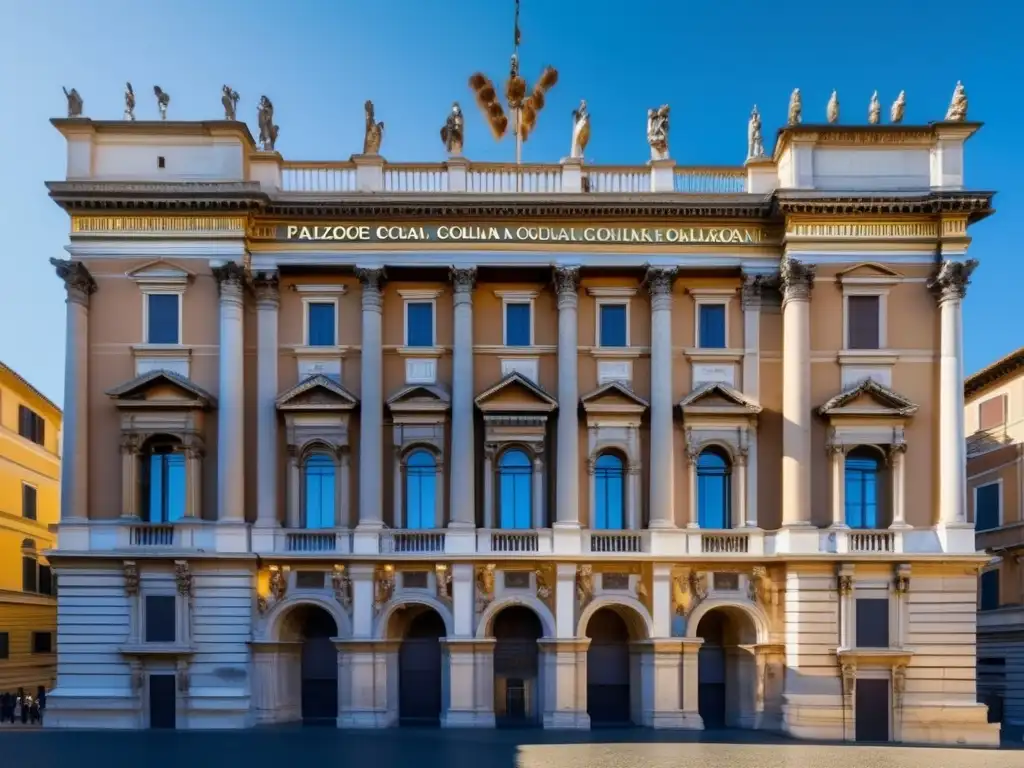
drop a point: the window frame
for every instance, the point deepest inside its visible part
(888, 621)
(316, 450)
(517, 297)
(1002, 397)
(318, 299)
(419, 297)
(727, 485)
(32, 642)
(406, 489)
(145, 478)
(879, 457)
(25, 486)
(702, 302)
(611, 302)
(883, 315)
(167, 592)
(999, 510)
(5, 645)
(499, 459)
(988, 571)
(601, 492)
(162, 291)
(35, 420)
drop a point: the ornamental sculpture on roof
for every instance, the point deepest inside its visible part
(832, 110)
(898, 107)
(453, 130)
(75, 103)
(795, 108)
(268, 131)
(657, 132)
(580, 130)
(162, 100)
(957, 111)
(229, 98)
(129, 102)
(874, 109)
(374, 134)
(755, 144)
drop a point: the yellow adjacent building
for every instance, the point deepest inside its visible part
(29, 504)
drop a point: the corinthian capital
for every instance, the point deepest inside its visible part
(372, 281)
(567, 283)
(231, 278)
(795, 279)
(753, 286)
(77, 280)
(659, 280)
(951, 279)
(267, 287)
(463, 280)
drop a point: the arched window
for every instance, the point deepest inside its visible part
(714, 489)
(163, 480)
(515, 478)
(863, 467)
(420, 490)
(609, 493)
(319, 501)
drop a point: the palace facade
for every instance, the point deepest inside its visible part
(564, 445)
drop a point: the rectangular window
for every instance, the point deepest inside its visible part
(992, 412)
(29, 575)
(872, 629)
(711, 321)
(986, 507)
(419, 324)
(28, 501)
(518, 324)
(161, 621)
(45, 580)
(988, 587)
(42, 642)
(862, 322)
(31, 425)
(5, 645)
(322, 324)
(163, 310)
(612, 325)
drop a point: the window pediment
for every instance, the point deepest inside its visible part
(868, 398)
(717, 399)
(160, 272)
(161, 389)
(515, 394)
(419, 398)
(867, 272)
(613, 398)
(317, 393)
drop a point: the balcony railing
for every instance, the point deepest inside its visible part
(152, 535)
(871, 541)
(315, 541)
(725, 543)
(615, 542)
(411, 542)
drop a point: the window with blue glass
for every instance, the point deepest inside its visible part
(319, 503)
(419, 328)
(420, 490)
(863, 481)
(609, 492)
(518, 324)
(714, 489)
(612, 325)
(515, 488)
(164, 481)
(711, 321)
(986, 507)
(162, 311)
(988, 586)
(322, 324)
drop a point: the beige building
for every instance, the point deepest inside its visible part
(994, 416)
(464, 443)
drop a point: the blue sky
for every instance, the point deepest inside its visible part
(318, 60)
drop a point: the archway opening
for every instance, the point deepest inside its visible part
(317, 662)
(727, 669)
(609, 700)
(420, 676)
(517, 688)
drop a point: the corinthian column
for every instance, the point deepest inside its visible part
(659, 283)
(371, 407)
(950, 287)
(74, 468)
(462, 473)
(567, 485)
(796, 280)
(231, 401)
(267, 302)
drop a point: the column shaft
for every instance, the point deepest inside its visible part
(267, 301)
(231, 400)
(371, 407)
(462, 476)
(796, 281)
(659, 283)
(567, 483)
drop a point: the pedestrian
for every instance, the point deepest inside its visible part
(17, 709)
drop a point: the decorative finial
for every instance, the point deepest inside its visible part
(795, 108)
(580, 130)
(957, 111)
(75, 103)
(453, 131)
(898, 106)
(229, 98)
(755, 144)
(129, 102)
(657, 132)
(374, 134)
(832, 110)
(162, 100)
(874, 110)
(268, 131)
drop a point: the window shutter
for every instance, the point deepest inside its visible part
(992, 412)
(863, 322)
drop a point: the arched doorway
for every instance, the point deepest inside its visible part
(727, 669)
(419, 665)
(517, 687)
(608, 670)
(314, 627)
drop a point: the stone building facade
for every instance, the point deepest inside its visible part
(559, 444)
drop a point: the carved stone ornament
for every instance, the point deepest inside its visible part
(79, 283)
(231, 277)
(584, 585)
(265, 120)
(898, 108)
(659, 280)
(641, 592)
(844, 584)
(759, 586)
(341, 583)
(383, 587)
(443, 579)
(690, 446)
(755, 143)
(657, 132)
(567, 280)
(267, 287)
(131, 578)
(698, 587)
(229, 98)
(899, 679)
(951, 279)
(278, 584)
(681, 598)
(463, 280)
(957, 111)
(162, 100)
(75, 103)
(129, 102)
(484, 586)
(372, 282)
(901, 579)
(795, 108)
(874, 110)
(832, 110)
(849, 675)
(453, 131)
(795, 278)
(544, 590)
(183, 578)
(752, 291)
(373, 135)
(580, 131)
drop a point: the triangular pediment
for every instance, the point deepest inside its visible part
(515, 393)
(613, 397)
(160, 271)
(317, 393)
(868, 270)
(868, 398)
(419, 398)
(161, 389)
(714, 397)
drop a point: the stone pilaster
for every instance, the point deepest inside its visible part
(371, 407)
(796, 280)
(231, 279)
(567, 484)
(267, 303)
(659, 284)
(74, 477)
(463, 479)
(753, 286)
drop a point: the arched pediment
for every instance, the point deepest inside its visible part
(515, 394)
(868, 398)
(317, 393)
(161, 389)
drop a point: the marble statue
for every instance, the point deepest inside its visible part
(896, 112)
(957, 111)
(832, 110)
(374, 132)
(874, 110)
(580, 130)
(268, 131)
(129, 102)
(162, 100)
(453, 130)
(229, 99)
(75, 103)
(657, 132)
(795, 108)
(755, 144)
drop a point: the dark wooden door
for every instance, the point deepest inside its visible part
(872, 710)
(319, 681)
(419, 671)
(162, 701)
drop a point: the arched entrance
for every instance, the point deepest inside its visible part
(608, 670)
(419, 664)
(318, 662)
(517, 689)
(727, 669)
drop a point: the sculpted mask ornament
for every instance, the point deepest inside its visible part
(795, 108)
(874, 110)
(901, 582)
(341, 583)
(229, 98)
(453, 131)
(755, 144)
(75, 103)
(129, 102)
(265, 118)
(845, 584)
(584, 585)
(162, 100)
(849, 672)
(957, 111)
(278, 583)
(544, 590)
(580, 131)
(443, 577)
(131, 578)
(657, 132)
(183, 578)
(374, 133)
(952, 278)
(383, 587)
(832, 110)
(484, 586)
(898, 108)
(698, 587)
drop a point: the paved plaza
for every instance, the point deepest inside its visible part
(413, 748)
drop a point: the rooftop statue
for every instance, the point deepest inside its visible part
(874, 110)
(832, 110)
(896, 112)
(795, 108)
(268, 131)
(755, 144)
(75, 103)
(374, 132)
(657, 132)
(129, 102)
(453, 131)
(957, 111)
(229, 99)
(162, 100)
(580, 130)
